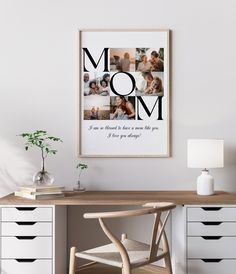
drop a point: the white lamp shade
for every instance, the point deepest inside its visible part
(205, 153)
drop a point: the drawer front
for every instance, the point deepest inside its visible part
(211, 267)
(26, 229)
(210, 247)
(211, 229)
(26, 248)
(211, 214)
(24, 214)
(26, 267)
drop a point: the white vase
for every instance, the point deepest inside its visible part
(205, 184)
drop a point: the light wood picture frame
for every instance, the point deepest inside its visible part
(123, 93)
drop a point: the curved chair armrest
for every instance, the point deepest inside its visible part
(119, 214)
(162, 206)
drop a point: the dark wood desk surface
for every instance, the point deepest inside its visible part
(127, 198)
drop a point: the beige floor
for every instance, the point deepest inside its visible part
(101, 269)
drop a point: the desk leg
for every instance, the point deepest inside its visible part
(179, 240)
(60, 240)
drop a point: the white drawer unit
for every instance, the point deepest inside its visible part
(26, 214)
(211, 266)
(26, 247)
(26, 266)
(211, 247)
(30, 242)
(211, 214)
(211, 239)
(211, 228)
(26, 229)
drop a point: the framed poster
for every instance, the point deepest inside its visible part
(123, 93)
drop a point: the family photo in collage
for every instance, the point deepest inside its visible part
(146, 65)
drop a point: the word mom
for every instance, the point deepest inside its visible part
(141, 104)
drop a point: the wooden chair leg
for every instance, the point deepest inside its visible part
(72, 260)
(126, 271)
(126, 268)
(168, 265)
(123, 237)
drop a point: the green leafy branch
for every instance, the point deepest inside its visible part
(42, 140)
(81, 168)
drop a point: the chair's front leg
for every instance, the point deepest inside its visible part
(126, 269)
(72, 260)
(123, 252)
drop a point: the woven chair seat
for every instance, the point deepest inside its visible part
(108, 254)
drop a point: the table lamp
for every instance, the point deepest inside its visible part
(205, 154)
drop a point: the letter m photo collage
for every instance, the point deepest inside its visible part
(123, 93)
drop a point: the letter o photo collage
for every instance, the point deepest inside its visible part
(113, 95)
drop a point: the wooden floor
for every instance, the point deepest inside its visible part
(101, 269)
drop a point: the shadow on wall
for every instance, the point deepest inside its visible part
(229, 168)
(230, 156)
(15, 169)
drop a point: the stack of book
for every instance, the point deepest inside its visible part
(40, 192)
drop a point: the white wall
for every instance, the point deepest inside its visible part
(38, 83)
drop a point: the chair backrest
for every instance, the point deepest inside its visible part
(158, 232)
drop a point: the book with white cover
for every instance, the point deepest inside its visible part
(45, 189)
(39, 196)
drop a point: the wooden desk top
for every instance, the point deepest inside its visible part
(127, 198)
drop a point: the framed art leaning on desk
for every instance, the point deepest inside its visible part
(123, 102)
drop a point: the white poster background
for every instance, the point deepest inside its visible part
(149, 137)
